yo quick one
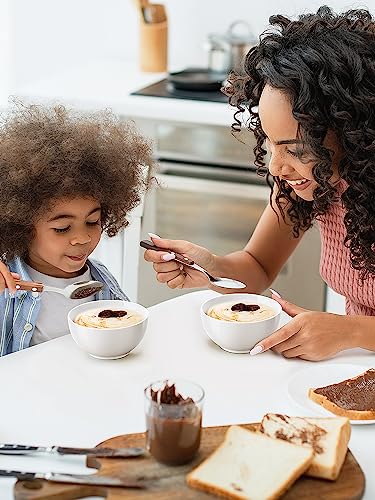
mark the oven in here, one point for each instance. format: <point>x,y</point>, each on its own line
<point>211,195</point>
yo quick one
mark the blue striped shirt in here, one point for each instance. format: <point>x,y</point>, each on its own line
<point>19,312</point>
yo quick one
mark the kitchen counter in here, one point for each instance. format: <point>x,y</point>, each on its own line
<point>107,84</point>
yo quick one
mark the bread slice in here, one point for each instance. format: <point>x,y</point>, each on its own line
<point>353,398</point>
<point>250,465</point>
<point>328,437</point>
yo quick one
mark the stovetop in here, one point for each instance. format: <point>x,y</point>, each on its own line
<point>164,89</point>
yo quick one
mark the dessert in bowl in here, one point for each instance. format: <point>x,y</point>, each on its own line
<point>238,321</point>
<point>108,329</point>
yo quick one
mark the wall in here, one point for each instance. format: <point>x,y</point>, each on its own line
<point>5,56</point>
<point>47,35</point>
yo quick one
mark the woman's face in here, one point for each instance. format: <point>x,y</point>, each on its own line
<point>65,236</point>
<point>280,127</point>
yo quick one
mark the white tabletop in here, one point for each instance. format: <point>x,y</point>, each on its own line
<point>56,394</point>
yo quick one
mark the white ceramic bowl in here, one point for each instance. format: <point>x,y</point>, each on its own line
<point>235,336</point>
<point>108,343</point>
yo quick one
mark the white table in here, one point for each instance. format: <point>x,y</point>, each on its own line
<point>56,394</point>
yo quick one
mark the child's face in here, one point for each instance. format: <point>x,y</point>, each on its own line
<point>65,236</point>
<point>281,128</point>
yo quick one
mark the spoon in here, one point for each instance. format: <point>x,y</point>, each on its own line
<point>79,290</point>
<point>181,259</point>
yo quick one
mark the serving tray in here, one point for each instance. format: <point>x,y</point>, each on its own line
<point>169,482</point>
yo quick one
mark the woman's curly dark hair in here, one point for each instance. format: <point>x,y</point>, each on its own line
<point>50,153</point>
<point>325,63</point>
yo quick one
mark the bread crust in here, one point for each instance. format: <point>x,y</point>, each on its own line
<point>200,485</point>
<point>210,488</point>
<point>337,410</point>
<point>316,470</point>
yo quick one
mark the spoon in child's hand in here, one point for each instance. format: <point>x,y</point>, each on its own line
<point>79,290</point>
<point>181,259</point>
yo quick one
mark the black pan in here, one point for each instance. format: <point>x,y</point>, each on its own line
<point>199,79</point>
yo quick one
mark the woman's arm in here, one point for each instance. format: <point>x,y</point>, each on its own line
<point>256,265</point>
<point>362,330</point>
<point>314,335</point>
<point>265,254</point>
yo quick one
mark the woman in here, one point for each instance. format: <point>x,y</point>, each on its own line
<point>310,91</point>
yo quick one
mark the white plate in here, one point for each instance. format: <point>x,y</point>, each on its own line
<point>320,375</point>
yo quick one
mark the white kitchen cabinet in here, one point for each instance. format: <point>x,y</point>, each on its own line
<point>121,254</point>
<point>335,303</point>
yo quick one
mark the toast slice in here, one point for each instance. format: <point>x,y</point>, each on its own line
<point>328,437</point>
<point>352,398</point>
<point>250,465</point>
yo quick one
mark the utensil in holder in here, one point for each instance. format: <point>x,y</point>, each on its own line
<point>154,46</point>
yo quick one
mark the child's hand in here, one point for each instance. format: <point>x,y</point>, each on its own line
<point>7,279</point>
<point>310,335</point>
<point>174,274</point>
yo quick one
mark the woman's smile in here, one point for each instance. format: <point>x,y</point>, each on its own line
<point>299,184</point>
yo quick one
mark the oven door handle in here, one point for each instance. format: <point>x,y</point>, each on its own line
<point>210,179</point>
<point>210,186</point>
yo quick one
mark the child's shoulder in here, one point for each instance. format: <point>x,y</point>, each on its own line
<point>16,265</point>
<point>100,272</point>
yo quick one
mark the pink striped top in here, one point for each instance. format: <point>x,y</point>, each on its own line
<point>335,266</point>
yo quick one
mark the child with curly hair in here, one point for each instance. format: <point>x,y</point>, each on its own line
<point>309,91</point>
<point>65,179</point>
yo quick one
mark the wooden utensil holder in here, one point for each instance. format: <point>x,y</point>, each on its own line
<point>154,47</point>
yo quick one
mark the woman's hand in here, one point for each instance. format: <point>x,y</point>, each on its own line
<point>7,279</point>
<point>176,275</point>
<point>310,335</point>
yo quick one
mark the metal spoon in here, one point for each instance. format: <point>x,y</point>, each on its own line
<point>181,259</point>
<point>79,290</point>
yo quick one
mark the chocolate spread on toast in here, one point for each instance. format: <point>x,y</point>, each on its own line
<point>357,393</point>
<point>294,430</point>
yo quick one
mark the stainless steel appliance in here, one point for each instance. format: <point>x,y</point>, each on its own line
<point>211,195</point>
<point>227,51</point>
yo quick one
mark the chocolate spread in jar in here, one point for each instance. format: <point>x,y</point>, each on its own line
<point>357,393</point>
<point>173,426</point>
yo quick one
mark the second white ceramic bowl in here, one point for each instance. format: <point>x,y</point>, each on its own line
<point>108,343</point>
<point>239,337</point>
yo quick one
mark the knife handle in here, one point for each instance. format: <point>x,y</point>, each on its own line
<point>16,449</point>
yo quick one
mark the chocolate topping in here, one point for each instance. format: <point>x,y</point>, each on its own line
<point>169,395</point>
<point>357,393</point>
<point>108,313</point>
<point>245,307</point>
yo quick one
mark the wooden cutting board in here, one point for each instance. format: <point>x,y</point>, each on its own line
<point>169,482</point>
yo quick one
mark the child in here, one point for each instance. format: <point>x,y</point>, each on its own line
<point>310,91</point>
<point>65,179</point>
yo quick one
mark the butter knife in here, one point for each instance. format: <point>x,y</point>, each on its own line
<point>92,480</point>
<point>19,449</point>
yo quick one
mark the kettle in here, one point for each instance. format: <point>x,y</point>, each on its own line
<point>227,51</point>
